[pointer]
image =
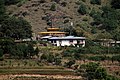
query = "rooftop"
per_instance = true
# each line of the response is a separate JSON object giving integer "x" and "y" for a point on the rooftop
{"x": 67, "y": 37}
{"x": 56, "y": 32}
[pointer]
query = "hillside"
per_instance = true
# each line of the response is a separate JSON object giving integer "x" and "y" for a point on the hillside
{"x": 34, "y": 10}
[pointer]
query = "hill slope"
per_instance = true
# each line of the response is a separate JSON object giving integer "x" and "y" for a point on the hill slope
{"x": 66, "y": 11}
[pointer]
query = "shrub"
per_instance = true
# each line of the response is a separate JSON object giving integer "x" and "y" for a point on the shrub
{"x": 9, "y": 2}
{"x": 53, "y": 7}
{"x": 82, "y": 9}
{"x": 95, "y": 2}
{"x": 1, "y": 53}
{"x": 84, "y": 0}
{"x": 70, "y": 63}
{"x": 57, "y": 1}
{"x": 98, "y": 58}
{"x": 93, "y": 71}
{"x": 63, "y": 4}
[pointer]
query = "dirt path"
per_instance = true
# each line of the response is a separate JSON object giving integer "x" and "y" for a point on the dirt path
{"x": 10, "y": 77}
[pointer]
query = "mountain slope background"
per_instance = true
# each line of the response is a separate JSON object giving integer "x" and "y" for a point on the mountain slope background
{"x": 81, "y": 12}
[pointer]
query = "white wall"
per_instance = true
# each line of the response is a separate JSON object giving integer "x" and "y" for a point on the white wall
{"x": 68, "y": 43}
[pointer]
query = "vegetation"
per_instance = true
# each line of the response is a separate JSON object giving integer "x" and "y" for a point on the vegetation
{"x": 82, "y": 9}
{"x": 95, "y": 2}
{"x": 53, "y": 7}
{"x": 97, "y": 20}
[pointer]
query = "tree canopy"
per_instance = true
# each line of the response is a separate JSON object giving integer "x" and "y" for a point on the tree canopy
{"x": 16, "y": 28}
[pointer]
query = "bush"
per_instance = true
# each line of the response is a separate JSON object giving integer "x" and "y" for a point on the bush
{"x": 63, "y": 4}
{"x": 1, "y": 53}
{"x": 94, "y": 71}
{"x": 53, "y": 7}
{"x": 9, "y": 2}
{"x": 98, "y": 58}
{"x": 116, "y": 58}
{"x": 82, "y": 9}
{"x": 95, "y": 2}
{"x": 70, "y": 63}
{"x": 57, "y": 1}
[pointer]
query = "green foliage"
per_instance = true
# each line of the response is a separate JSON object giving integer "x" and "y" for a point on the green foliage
{"x": 31, "y": 49}
{"x": 57, "y": 1}
{"x": 9, "y": 2}
{"x": 1, "y": 53}
{"x": 69, "y": 63}
{"x": 94, "y": 71}
{"x": 98, "y": 58}
{"x": 21, "y": 2}
{"x": 57, "y": 61}
{"x": 50, "y": 58}
{"x": 109, "y": 77}
{"x": 2, "y": 11}
{"x": 82, "y": 9}
{"x": 110, "y": 18}
{"x": 116, "y": 58}
{"x": 36, "y": 51}
{"x": 95, "y": 2}
{"x": 6, "y": 44}
{"x": 84, "y": 0}
{"x": 44, "y": 57}
{"x": 115, "y": 4}
{"x": 16, "y": 28}
{"x": 116, "y": 34}
{"x": 2, "y": 7}
{"x": 53, "y": 7}
{"x": 92, "y": 12}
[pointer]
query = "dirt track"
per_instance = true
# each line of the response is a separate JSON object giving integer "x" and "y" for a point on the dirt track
{"x": 10, "y": 77}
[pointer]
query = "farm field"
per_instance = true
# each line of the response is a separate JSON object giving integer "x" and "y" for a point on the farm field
{"x": 15, "y": 70}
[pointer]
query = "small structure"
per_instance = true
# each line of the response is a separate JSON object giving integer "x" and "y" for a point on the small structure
{"x": 107, "y": 42}
{"x": 53, "y": 32}
{"x": 66, "y": 41}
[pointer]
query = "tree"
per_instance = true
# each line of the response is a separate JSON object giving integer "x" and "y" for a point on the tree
{"x": 36, "y": 51}
{"x": 16, "y": 28}
{"x": 31, "y": 50}
{"x": 70, "y": 63}
{"x": 9, "y": 2}
{"x": 1, "y": 53}
{"x": 57, "y": 1}
{"x": 82, "y": 9}
{"x": 94, "y": 71}
{"x": 116, "y": 34}
{"x": 95, "y": 2}
{"x": 6, "y": 44}
{"x": 115, "y": 4}
{"x": 110, "y": 18}
{"x": 53, "y": 7}
{"x": 2, "y": 11}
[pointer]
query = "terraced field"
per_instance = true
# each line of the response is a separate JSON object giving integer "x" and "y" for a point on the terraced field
{"x": 38, "y": 74}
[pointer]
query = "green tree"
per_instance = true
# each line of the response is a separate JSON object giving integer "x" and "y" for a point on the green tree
{"x": 36, "y": 51}
{"x": 53, "y": 7}
{"x": 16, "y": 28}
{"x": 82, "y": 9}
{"x": 70, "y": 63}
{"x": 95, "y": 2}
{"x": 2, "y": 11}
{"x": 1, "y": 53}
{"x": 6, "y": 44}
{"x": 31, "y": 50}
{"x": 110, "y": 18}
{"x": 94, "y": 71}
{"x": 9, "y": 2}
{"x": 115, "y": 4}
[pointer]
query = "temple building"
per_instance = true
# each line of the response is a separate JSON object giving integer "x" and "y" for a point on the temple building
{"x": 55, "y": 32}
